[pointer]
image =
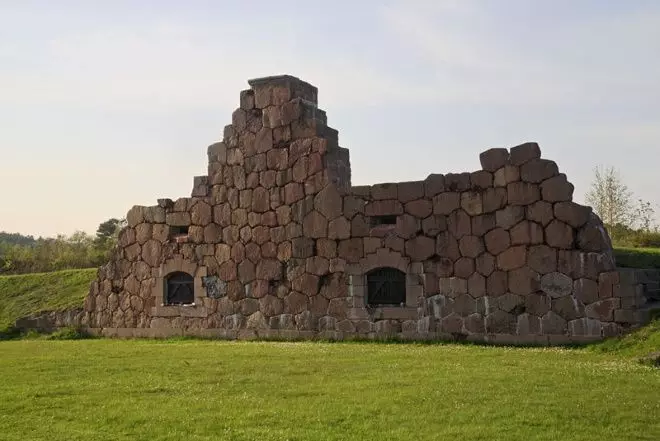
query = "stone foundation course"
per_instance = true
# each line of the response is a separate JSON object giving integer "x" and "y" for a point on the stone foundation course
{"x": 276, "y": 242}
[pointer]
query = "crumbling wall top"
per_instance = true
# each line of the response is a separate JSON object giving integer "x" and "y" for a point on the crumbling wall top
{"x": 278, "y": 89}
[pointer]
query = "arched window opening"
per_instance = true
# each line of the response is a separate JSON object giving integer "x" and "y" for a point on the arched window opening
{"x": 386, "y": 286}
{"x": 180, "y": 289}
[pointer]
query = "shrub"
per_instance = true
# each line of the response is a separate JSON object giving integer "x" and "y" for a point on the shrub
{"x": 637, "y": 257}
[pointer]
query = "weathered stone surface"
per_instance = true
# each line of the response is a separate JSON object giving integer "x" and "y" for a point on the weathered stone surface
{"x": 485, "y": 264}
{"x": 500, "y": 322}
{"x": 471, "y": 246}
{"x": 386, "y": 207}
{"x": 472, "y": 203}
{"x": 509, "y": 216}
{"x": 506, "y": 175}
{"x": 523, "y": 153}
{"x": 526, "y": 233}
{"x": 540, "y": 212}
{"x": 493, "y": 159}
{"x": 494, "y": 199}
{"x": 553, "y": 324}
{"x": 477, "y": 285}
{"x": 522, "y": 193}
{"x": 339, "y": 228}
{"x": 383, "y": 191}
{"x": 315, "y": 225}
{"x": 482, "y": 224}
{"x": 559, "y": 235}
{"x": 446, "y": 245}
{"x": 447, "y": 202}
{"x": 452, "y": 324}
{"x": 475, "y": 324}
{"x": 420, "y": 208}
{"x": 557, "y": 189}
{"x": 351, "y": 250}
{"x": 434, "y": 184}
{"x": 528, "y": 324}
{"x": 410, "y": 191}
{"x": 407, "y": 226}
{"x": 328, "y": 202}
{"x": 542, "y": 259}
{"x": 151, "y": 253}
{"x": 497, "y": 241}
{"x": 452, "y": 286}
{"x": 593, "y": 236}
{"x": 464, "y": 267}
{"x": 603, "y": 310}
{"x": 538, "y": 303}
{"x": 497, "y": 283}
{"x": 568, "y": 307}
{"x": 420, "y": 248}
{"x": 556, "y": 285}
{"x": 511, "y": 303}
{"x": 457, "y": 181}
{"x": 523, "y": 281}
{"x": 480, "y": 180}
{"x": 512, "y": 258}
{"x": 571, "y": 213}
{"x": 538, "y": 170}
{"x": 585, "y": 290}
{"x": 459, "y": 224}
{"x": 464, "y": 305}
{"x": 178, "y": 219}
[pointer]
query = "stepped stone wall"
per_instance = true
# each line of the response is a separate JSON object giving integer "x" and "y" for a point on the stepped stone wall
{"x": 280, "y": 244}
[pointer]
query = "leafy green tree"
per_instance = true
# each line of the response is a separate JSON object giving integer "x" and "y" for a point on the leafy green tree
{"x": 109, "y": 229}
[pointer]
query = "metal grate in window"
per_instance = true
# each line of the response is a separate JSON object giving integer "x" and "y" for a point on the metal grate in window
{"x": 180, "y": 289}
{"x": 386, "y": 286}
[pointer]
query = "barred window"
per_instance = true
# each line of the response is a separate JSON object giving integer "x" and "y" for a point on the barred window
{"x": 386, "y": 286}
{"x": 180, "y": 289}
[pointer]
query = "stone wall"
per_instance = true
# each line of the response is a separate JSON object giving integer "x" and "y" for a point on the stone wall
{"x": 280, "y": 244}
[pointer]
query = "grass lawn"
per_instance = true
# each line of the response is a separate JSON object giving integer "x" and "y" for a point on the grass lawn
{"x": 637, "y": 257}
{"x": 213, "y": 390}
{"x": 25, "y": 294}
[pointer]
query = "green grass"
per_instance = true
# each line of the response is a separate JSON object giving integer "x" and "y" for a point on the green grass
{"x": 25, "y": 294}
{"x": 638, "y": 343}
{"x": 213, "y": 390}
{"x": 637, "y": 257}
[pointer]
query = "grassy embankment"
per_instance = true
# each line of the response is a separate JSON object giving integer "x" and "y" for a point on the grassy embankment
{"x": 637, "y": 257}
{"x": 26, "y": 294}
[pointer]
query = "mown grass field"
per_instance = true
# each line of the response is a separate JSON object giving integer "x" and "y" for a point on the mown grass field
{"x": 26, "y": 294}
{"x": 213, "y": 390}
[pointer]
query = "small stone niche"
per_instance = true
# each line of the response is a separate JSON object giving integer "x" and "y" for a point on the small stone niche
{"x": 178, "y": 232}
{"x": 389, "y": 219}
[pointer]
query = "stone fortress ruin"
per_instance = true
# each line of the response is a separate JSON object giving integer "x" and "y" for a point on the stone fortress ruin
{"x": 275, "y": 242}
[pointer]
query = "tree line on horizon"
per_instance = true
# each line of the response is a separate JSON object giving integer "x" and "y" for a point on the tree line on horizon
{"x": 21, "y": 254}
{"x": 630, "y": 222}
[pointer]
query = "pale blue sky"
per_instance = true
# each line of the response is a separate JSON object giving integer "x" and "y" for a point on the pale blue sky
{"x": 107, "y": 104}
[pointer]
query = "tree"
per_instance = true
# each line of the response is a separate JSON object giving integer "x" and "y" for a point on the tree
{"x": 108, "y": 229}
{"x": 610, "y": 197}
{"x": 644, "y": 215}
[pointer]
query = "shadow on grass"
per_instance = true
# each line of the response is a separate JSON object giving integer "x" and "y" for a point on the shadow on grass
{"x": 65, "y": 333}
{"x": 642, "y": 344}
